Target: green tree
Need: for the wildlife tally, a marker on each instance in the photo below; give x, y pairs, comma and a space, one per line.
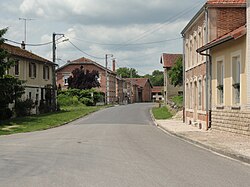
126, 72
11, 87
176, 73
157, 78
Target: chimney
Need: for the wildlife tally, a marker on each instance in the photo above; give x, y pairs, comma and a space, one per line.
113, 65
22, 45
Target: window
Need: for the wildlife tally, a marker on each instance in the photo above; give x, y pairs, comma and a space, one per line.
17, 67
204, 93
187, 93
65, 78
236, 71
46, 74
199, 94
220, 82
32, 70
191, 96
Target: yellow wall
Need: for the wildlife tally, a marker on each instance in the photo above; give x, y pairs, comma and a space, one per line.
225, 52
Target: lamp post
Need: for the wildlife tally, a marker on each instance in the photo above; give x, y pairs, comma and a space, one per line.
106, 72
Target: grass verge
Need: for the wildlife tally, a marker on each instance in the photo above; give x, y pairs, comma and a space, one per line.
45, 121
161, 113
178, 100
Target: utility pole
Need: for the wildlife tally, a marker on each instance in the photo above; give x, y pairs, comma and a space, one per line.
25, 27
107, 83
54, 70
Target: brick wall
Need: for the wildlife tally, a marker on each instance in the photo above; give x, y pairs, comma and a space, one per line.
147, 93
229, 19
234, 121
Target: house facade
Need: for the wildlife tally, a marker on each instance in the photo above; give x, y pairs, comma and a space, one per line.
215, 19
142, 89
107, 83
168, 60
230, 111
37, 74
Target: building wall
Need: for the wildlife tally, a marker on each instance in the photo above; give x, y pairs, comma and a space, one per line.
66, 71
147, 93
228, 115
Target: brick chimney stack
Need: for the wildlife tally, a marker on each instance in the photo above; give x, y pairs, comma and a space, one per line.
22, 45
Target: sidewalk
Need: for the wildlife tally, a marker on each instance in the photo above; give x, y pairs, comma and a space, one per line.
228, 144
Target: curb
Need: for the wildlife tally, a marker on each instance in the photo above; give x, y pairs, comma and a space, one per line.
229, 154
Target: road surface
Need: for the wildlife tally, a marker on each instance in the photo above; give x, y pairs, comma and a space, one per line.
118, 146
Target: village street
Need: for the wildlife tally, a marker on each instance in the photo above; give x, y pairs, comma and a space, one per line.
118, 146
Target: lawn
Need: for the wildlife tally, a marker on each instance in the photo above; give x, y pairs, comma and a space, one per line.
45, 121
161, 113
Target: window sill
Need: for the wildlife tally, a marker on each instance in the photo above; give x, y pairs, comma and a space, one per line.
219, 107
235, 107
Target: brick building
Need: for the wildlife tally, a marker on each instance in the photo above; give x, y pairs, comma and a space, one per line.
215, 19
64, 72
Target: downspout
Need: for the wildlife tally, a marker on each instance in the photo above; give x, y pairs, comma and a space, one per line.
208, 74
183, 81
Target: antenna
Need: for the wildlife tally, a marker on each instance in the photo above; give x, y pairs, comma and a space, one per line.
25, 27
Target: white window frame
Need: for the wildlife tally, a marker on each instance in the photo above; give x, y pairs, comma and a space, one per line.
236, 54
65, 80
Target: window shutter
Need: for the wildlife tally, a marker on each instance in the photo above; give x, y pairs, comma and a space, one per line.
48, 71
30, 69
44, 69
34, 69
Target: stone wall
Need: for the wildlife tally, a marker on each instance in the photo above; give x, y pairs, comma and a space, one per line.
234, 121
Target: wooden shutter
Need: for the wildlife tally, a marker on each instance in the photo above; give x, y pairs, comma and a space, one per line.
30, 69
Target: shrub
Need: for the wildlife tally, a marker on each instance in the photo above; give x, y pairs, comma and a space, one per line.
87, 101
65, 100
23, 108
5, 113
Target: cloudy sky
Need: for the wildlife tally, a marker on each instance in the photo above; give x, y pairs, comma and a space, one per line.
136, 32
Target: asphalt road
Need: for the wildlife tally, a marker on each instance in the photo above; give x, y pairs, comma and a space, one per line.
118, 146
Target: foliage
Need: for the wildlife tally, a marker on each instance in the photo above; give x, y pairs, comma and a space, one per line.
5, 63
82, 80
161, 113
23, 108
178, 100
176, 73
5, 113
127, 72
65, 100
157, 78
88, 97
11, 90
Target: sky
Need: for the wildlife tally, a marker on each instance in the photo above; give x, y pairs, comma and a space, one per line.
135, 32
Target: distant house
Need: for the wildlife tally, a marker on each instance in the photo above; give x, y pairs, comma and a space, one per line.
35, 71
157, 93
64, 72
168, 60
143, 90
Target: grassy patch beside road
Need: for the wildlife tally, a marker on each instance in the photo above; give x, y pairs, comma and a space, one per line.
45, 121
161, 113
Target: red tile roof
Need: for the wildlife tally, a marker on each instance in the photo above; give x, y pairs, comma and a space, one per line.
83, 59
226, 1
17, 51
168, 60
157, 89
140, 81
235, 34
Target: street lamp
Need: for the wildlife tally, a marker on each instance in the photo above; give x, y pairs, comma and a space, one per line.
106, 71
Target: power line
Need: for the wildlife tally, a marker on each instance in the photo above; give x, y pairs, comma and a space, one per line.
34, 45
84, 51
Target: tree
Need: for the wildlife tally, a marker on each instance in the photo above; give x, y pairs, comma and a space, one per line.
126, 72
11, 87
176, 73
157, 78
82, 80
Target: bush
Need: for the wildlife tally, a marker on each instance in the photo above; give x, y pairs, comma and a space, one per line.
65, 100
87, 101
5, 113
23, 108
